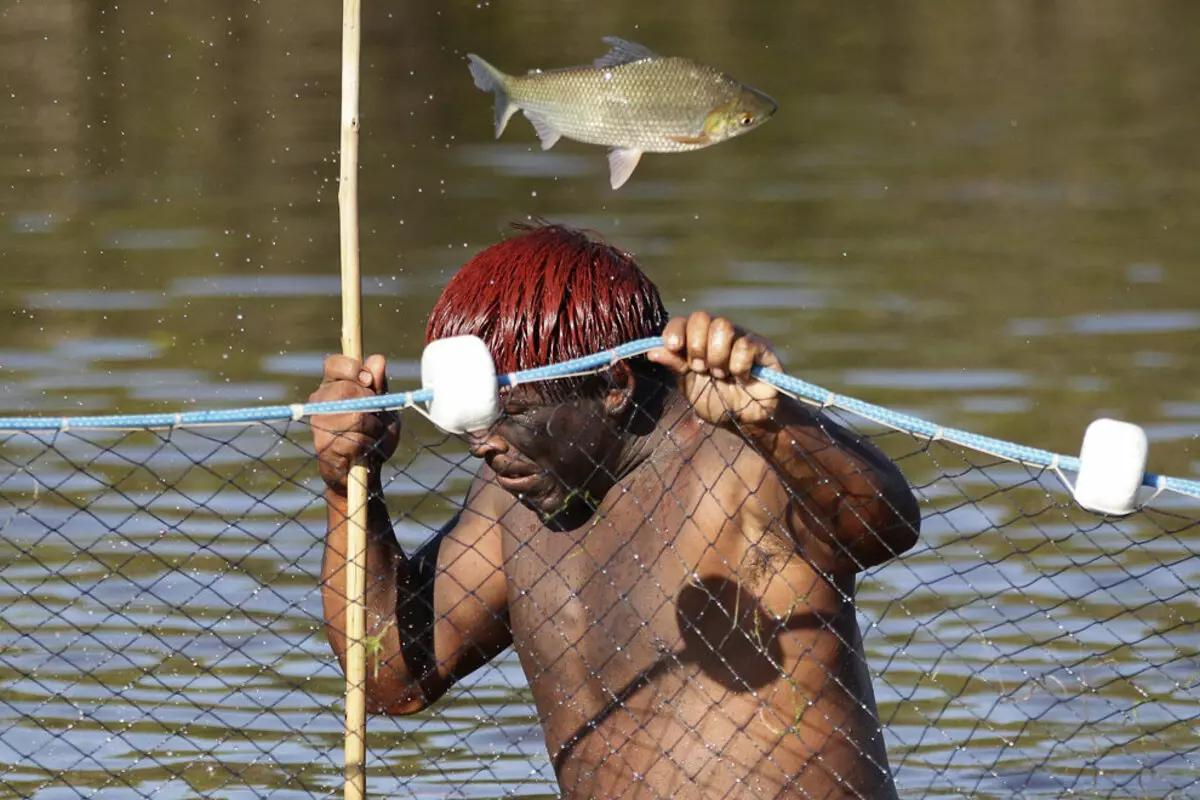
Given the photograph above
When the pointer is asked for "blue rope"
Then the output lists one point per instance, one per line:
(915, 426)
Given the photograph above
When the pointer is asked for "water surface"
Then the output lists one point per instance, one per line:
(983, 215)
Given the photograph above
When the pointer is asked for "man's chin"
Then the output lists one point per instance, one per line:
(559, 510)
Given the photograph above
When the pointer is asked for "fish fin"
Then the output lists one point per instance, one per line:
(701, 139)
(622, 161)
(622, 52)
(490, 79)
(545, 131)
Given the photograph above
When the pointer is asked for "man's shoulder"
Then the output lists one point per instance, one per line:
(718, 459)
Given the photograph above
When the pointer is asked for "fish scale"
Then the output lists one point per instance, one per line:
(635, 105)
(631, 100)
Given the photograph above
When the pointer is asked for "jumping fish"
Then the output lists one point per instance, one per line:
(630, 99)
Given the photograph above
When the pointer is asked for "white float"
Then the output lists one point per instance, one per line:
(460, 372)
(1112, 463)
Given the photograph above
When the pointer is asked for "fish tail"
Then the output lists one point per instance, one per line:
(490, 79)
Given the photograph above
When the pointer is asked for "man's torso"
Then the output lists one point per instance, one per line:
(679, 644)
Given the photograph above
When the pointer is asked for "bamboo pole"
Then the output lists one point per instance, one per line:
(356, 501)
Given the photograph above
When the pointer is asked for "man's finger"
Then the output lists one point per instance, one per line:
(720, 345)
(745, 350)
(340, 368)
(376, 366)
(749, 351)
(673, 353)
(767, 356)
(672, 361)
(697, 341)
(675, 334)
(355, 423)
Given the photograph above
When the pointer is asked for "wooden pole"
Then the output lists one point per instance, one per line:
(356, 501)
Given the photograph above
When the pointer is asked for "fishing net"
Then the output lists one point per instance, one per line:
(162, 635)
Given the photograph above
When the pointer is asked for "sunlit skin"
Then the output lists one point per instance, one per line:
(673, 564)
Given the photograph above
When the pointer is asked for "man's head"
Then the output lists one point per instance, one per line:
(546, 295)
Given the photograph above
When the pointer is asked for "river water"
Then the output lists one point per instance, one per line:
(982, 214)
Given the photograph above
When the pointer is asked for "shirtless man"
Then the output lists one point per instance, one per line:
(670, 545)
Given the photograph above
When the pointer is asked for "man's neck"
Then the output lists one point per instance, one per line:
(670, 426)
(676, 425)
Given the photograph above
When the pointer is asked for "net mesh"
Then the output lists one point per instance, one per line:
(162, 633)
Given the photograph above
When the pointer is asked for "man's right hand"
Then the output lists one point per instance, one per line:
(341, 440)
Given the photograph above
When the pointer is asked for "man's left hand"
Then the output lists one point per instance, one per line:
(713, 359)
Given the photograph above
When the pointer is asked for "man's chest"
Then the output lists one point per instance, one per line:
(599, 605)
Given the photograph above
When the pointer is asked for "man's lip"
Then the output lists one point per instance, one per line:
(522, 483)
(511, 468)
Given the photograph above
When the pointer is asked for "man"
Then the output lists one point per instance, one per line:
(670, 545)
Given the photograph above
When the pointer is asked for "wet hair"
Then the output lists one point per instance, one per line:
(549, 294)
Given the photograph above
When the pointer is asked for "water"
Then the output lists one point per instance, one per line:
(983, 215)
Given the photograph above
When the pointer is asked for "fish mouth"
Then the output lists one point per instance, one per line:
(769, 105)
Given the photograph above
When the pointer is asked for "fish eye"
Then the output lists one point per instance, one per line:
(747, 119)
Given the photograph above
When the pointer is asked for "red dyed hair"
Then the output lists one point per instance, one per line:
(549, 294)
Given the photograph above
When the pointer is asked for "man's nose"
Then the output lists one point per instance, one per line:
(485, 443)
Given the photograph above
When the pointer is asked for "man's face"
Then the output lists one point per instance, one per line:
(553, 457)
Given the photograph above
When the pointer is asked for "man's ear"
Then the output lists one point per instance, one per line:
(621, 385)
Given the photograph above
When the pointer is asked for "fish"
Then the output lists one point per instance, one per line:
(631, 100)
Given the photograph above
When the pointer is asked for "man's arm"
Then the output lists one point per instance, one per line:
(842, 491)
(434, 616)
(848, 505)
